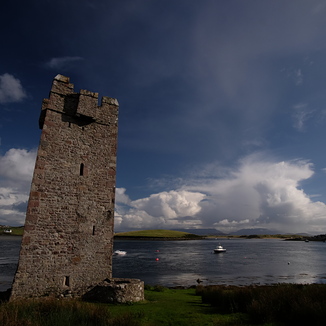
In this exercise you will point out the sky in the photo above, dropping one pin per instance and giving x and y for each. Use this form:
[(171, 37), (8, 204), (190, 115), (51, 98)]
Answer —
[(222, 119)]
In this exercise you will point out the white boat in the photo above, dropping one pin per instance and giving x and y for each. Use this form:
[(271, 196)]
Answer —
[(218, 249), (120, 252)]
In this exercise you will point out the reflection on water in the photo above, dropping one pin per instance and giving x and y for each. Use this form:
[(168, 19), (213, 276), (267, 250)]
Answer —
[(173, 263), (245, 262)]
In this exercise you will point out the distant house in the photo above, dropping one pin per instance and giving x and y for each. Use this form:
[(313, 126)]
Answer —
[(7, 231)]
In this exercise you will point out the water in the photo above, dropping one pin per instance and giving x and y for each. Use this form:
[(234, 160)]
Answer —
[(9, 252), (245, 262)]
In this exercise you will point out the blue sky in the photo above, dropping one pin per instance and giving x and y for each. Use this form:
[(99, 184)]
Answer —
[(222, 106)]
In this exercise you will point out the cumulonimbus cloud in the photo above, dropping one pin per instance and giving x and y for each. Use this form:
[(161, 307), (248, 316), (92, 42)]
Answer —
[(263, 194), (258, 193)]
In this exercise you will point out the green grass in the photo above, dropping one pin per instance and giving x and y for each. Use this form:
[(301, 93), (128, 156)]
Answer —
[(165, 307), (156, 234), (50, 312), (15, 230), (277, 305), (162, 307)]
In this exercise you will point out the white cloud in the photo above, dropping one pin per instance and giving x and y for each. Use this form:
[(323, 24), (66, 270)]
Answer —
[(17, 165), (265, 193), (165, 209), (121, 197), (259, 193), (9, 197), (11, 89), (169, 205), (62, 62), (16, 170)]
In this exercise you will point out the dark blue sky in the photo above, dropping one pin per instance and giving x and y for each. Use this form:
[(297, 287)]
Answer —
[(222, 105)]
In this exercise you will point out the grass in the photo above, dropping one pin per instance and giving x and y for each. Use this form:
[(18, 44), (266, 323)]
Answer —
[(282, 304), (51, 312), (15, 230), (165, 307), (157, 234), (162, 307)]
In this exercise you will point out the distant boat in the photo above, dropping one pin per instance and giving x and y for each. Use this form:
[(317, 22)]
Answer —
[(120, 252), (219, 249)]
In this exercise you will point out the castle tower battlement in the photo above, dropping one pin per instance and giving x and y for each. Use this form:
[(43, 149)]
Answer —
[(68, 237)]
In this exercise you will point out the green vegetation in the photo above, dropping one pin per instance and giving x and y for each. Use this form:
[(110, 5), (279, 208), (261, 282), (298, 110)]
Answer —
[(14, 230), (48, 312), (158, 234), (175, 307), (282, 304), (162, 307)]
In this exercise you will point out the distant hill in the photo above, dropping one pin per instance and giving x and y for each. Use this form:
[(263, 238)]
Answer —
[(202, 232), (252, 231), (159, 234)]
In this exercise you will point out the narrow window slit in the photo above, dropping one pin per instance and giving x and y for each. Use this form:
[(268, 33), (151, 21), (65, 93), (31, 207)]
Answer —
[(94, 230), (81, 170), (66, 281)]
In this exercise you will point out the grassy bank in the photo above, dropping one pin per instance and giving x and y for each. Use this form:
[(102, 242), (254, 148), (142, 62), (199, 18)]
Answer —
[(283, 304), (159, 234), (18, 230)]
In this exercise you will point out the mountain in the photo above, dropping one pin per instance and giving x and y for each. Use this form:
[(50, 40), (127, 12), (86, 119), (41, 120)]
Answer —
[(257, 231)]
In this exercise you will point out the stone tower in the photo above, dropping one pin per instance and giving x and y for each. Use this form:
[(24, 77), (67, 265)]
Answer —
[(68, 238)]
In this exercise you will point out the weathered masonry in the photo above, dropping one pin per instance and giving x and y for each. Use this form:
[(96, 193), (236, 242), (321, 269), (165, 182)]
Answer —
[(68, 239)]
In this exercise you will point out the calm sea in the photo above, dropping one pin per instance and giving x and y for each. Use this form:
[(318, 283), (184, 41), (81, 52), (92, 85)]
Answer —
[(9, 251), (174, 263)]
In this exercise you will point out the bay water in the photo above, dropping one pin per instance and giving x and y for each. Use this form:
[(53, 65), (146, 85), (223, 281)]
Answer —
[(246, 261), (182, 263)]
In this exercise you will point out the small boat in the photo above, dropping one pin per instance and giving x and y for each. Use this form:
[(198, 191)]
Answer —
[(218, 249), (120, 252)]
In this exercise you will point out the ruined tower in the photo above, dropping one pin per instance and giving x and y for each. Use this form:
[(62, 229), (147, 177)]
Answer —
[(68, 238)]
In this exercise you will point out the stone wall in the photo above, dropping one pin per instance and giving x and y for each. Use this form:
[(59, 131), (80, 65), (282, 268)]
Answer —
[(68, 238), (116, 290)]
